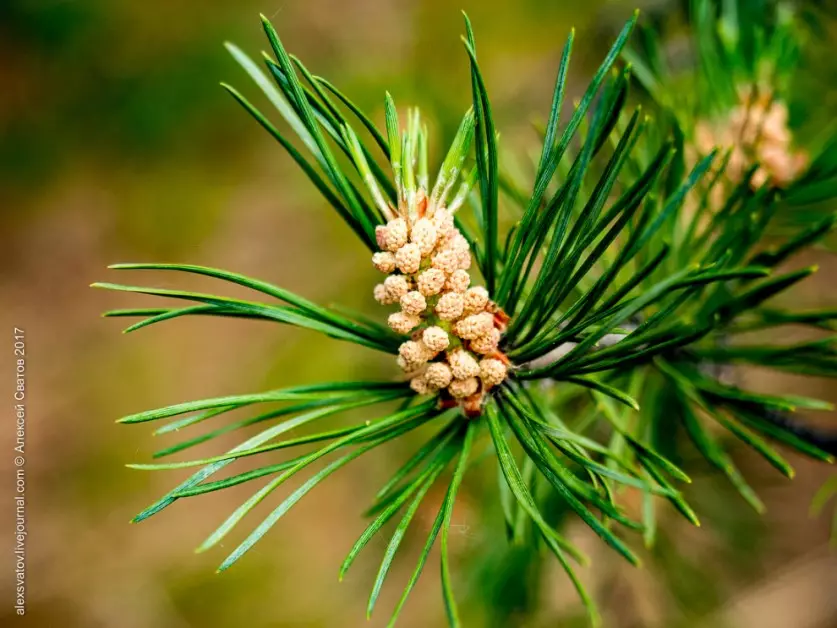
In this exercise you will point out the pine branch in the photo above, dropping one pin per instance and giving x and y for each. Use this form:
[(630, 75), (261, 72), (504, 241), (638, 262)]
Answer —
[(611, 310)]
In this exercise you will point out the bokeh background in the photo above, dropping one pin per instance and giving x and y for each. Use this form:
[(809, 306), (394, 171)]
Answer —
[(116, 144)]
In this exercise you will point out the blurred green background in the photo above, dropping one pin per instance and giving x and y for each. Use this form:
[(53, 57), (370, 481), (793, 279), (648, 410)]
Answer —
[(116, 144)]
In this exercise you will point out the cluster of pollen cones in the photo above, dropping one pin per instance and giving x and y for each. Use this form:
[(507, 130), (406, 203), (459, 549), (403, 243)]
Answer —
[(454, 329), (756, 130)]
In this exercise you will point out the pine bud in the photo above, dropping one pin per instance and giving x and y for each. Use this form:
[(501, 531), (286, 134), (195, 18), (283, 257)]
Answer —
[(443, 222), (396, 286), (486, 344), (460, 249), (458, 281), (475, 300), (381, 236), (381, 295), (446, 261), (402, 323), (759, 178), (395, 235), (774, 126), (438, 375), (414, 353), (413, 303), (492, 372), (474, 326), (431, 281), (457, 242), (460, 388), (450, 306), (424, 234), (435, 338), (408, 258), (463, 364), (419, 384), (384, 261)]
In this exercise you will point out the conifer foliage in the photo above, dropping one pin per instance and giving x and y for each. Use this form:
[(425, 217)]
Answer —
[(569, 345)]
